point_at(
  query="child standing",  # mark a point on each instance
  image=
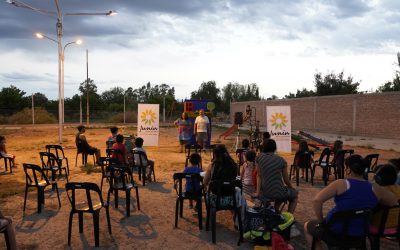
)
(247, 172)
(194, 168)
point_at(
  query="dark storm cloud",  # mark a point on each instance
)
(350, 8)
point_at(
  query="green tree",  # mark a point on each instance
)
(300, 93)
(393, 85)
(12, 100)
(332, 84)
(237, 92)
(208, 91)
(39, 99)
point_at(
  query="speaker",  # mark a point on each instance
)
(238, 118)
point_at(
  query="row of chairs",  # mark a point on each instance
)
(213, 205)
(336, 166)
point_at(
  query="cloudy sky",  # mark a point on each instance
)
(278, 44)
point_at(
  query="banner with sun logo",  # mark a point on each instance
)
(279, 126)
(148, 123)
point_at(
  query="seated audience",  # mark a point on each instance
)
(139, 147)
(80, 139)
(272, 177)
(194, 160)
(303, 149)
(112, 138)
(241, 155)
(351, 193)
(396, 164)
(247, 173)
(385, 176)
(119, 145)
(222, 167)
(3, 151)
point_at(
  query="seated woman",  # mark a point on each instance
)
(222, 167)
(351, 193)
(385, 176)
(303, 149)
(272, 174)
(80, 139)
(122, 157)
(4, 153)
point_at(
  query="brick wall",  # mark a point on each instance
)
(376, 115)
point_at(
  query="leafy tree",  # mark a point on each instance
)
(39, 99)
(332, 84)
(393, 85)
(273, 97)
(12, 100)
(114, 95)
(300, 93)
(238, 92)
(208, 91)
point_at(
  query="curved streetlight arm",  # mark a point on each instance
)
(109, 13)
(20, 4)
(40, 36)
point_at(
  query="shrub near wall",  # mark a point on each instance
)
(25, 117)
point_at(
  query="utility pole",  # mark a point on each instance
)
(164, 110)
(33, 111)
(80, 109)
(87, 87)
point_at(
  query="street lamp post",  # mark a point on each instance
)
(124, 106)
(61, 49)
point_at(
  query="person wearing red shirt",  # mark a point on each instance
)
(119, 145)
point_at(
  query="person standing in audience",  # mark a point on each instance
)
(201, 129)
(184, 126)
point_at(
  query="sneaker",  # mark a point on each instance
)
(294, 232)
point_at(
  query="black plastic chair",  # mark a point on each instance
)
(372, 162)
(7, 162)
(141, 163)
(196, 148)
(338, 162)
(183, 195)
(35, 177)
(4, 231)
(344, 240)
(216, 191)
(80, 150)
(121, 179)
(322, 162)
(59, 153)
(86, 206)
(51, 163)
(110, 152)
(302, 160)
(105, 174)
(375, 238)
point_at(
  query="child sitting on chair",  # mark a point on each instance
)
(248, 173)
(3, 151)
(194, 160)
(139, 147)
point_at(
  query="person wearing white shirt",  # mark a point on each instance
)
(201, 128)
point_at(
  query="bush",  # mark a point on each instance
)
(25, 117)
(130, 117)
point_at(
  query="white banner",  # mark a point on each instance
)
(148, 123)
(279, 126)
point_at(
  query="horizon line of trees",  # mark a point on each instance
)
(13, 100)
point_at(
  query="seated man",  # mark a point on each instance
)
(122, 158)
(112, 138)
(139, 147)
(80, 141)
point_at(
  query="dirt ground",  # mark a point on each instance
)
(150, 228)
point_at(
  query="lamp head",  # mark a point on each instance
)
(10, 1)
(39, 35)
(111, 13)
(79, 41)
